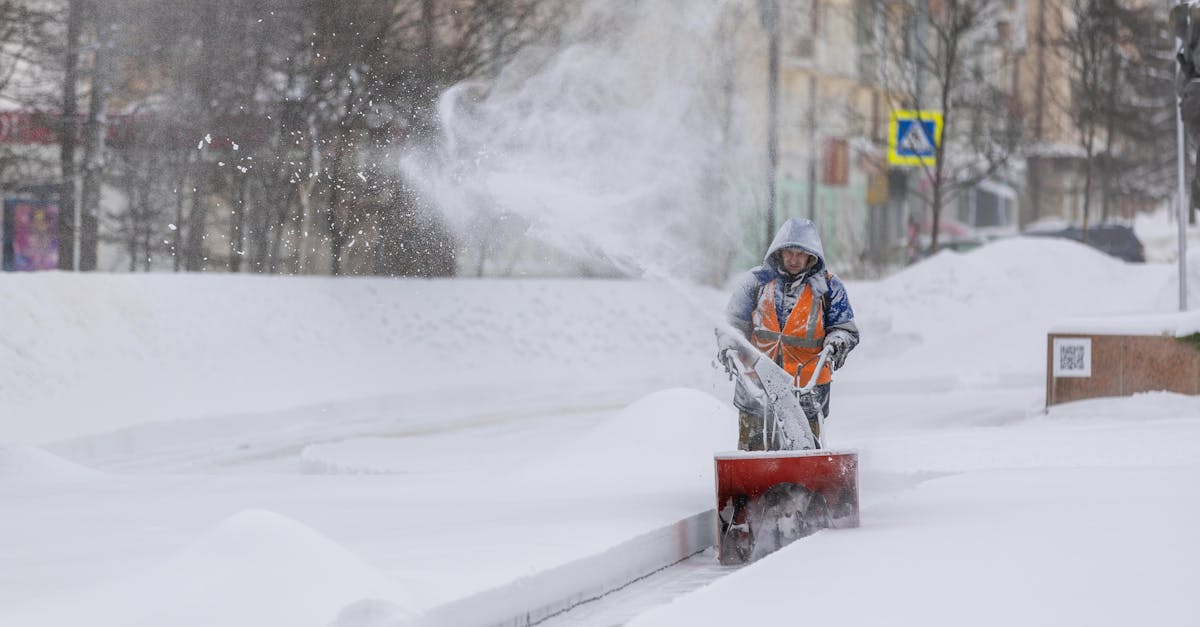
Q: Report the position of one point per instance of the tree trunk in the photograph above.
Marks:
(68, 131)
(130, 230)
(145, 216)
(1110, 115)
(939, 167)
(428, 15)
(337, 239)
(950, 59)
(177, 232)
(193, 258)
(94, 140)
(257, 238)
(237, 235)
(1089, 173)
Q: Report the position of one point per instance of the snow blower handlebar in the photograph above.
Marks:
(821, 359)
(735, 369)
(775, 390)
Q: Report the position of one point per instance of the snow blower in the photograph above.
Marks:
(767, 499)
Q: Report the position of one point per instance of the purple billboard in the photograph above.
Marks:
(30, 234)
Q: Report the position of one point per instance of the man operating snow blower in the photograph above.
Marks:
(793, 310)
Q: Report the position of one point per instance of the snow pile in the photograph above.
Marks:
(658, 434)
(28, 464)
(669, 435)
(371, 613)
(1168, 294)
(1160, 296)
(932, 320)
(1159, 233)
(254, 568)
(135, 349)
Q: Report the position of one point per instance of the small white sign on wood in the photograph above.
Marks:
(1073, 357)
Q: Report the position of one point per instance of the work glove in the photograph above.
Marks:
(838, 342)
(727, 349)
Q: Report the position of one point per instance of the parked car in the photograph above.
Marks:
(1115, 239)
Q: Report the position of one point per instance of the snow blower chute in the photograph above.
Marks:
(793, 488)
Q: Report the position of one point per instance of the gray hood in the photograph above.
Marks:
(796, 233)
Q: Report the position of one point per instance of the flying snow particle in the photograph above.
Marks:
(172, 227)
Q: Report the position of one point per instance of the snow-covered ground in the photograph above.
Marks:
(248, 451)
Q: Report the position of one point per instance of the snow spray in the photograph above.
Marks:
(627, 142)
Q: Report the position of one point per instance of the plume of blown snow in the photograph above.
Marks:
(618, 144)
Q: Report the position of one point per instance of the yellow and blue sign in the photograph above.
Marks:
(913, 137)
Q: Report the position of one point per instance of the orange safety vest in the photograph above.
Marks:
(796, 345)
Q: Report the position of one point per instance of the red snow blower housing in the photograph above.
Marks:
(767, 499)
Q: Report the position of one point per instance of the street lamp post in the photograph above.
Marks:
(769, 13)
(1182, 23)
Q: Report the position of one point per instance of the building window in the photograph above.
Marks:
(990, 206)
(865, 18)
(800, 28)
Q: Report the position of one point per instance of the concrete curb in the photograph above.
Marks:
(531, 599)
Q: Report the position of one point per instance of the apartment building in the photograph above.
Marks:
(836, 96)
(1054, 188)
(831, 125)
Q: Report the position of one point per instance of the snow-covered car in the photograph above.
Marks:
(1117, 240)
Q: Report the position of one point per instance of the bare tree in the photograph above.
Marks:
(1115, 50)
(1092, 50)
(373, 81)
(263, 132)
(67, 133)
(105, 19)
(947, 57)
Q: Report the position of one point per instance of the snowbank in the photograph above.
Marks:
(984, 315)
(256, 567)
(29, 464)
(86, 354)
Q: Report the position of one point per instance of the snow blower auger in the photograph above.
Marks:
(767, 499)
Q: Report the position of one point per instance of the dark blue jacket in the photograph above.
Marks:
(802, 234)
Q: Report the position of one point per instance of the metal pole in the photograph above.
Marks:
(814, 150)
(769, 13)
(1181, 195)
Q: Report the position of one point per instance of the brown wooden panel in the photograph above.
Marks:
(1160, 363)
(1124, 365)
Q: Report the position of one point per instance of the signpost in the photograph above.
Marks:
(913, 137)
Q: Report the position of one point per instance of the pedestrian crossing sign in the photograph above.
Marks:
(913, 137)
